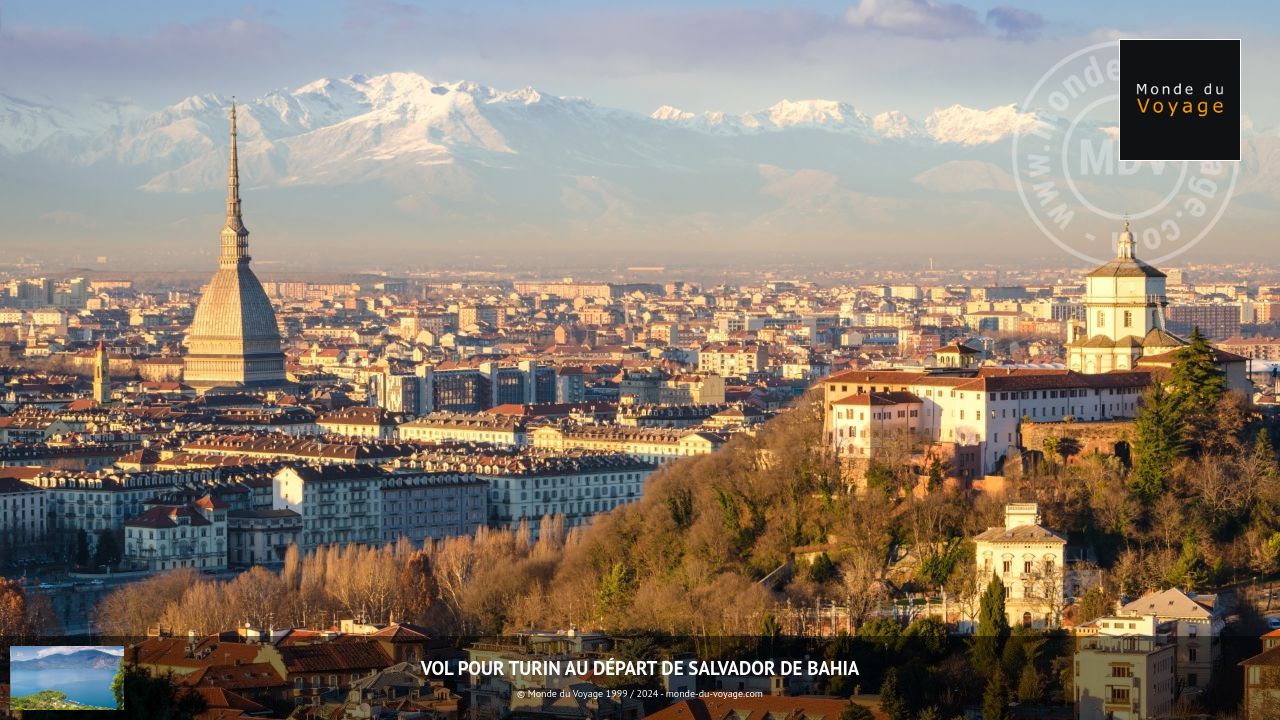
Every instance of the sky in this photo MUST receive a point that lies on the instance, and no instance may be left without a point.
(914, 56)
(909, 55)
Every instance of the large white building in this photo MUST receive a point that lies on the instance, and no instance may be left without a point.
(506, 430)
(425, 506)
(655, 445)
(975, 414)
(339, 504)
(577, 487)
(1029, 560)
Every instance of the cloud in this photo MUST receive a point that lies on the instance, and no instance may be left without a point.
(917, 18)
(1013, 23)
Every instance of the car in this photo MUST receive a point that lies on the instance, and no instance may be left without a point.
(1273, 623)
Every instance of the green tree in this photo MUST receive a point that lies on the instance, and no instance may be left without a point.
(1195, 375)
(615, 587)
(1051, 446)
(1198, 384)
(1095, 603)
(142, 696)
(82, 548)
(993, 625)
(893, 700)
(108, 551)
(822, 569)
(1190, 571)
(1030, 687)
(1159, 427)
(995, 699)
(937, 472)
(927, 634)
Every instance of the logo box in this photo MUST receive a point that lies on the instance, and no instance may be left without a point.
(1179, 99)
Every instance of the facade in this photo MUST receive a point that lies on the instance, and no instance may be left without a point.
(649, 444)
(234, 340)
(576, 487)
(180, 535)
(99, 501)
(359, 422)
(1217, 321)
(424, 507)
(260, 535)
(733, 359)
(506, 430)
(1125, 671)
(23, 517)
(863, 422)
(1029, 560)
(1124, 314)
(339, 504)
(464, 389)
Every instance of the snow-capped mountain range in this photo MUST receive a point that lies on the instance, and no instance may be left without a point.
(357, 128)
(438, 161)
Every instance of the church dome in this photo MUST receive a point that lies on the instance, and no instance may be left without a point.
(1125, 263)
(234, 308)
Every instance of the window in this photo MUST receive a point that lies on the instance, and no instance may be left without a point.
(1128, 318)
(1191, 654)
(1008, 565)
(1102, 317)
(1119, 694)
(1122, 671)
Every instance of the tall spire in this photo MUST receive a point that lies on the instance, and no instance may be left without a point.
(235, 236)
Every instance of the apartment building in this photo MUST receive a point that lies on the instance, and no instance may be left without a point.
(1125, 671)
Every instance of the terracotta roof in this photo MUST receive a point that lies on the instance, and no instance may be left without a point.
(880, 398)
(166, 517)
(326, 657)
(209, 651)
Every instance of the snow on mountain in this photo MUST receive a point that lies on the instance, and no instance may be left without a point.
(969, 126)
(895, 125)
(954, 125)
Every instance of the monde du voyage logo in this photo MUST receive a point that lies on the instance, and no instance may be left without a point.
(1180, 100)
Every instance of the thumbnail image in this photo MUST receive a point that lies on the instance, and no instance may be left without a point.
(63, 677)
